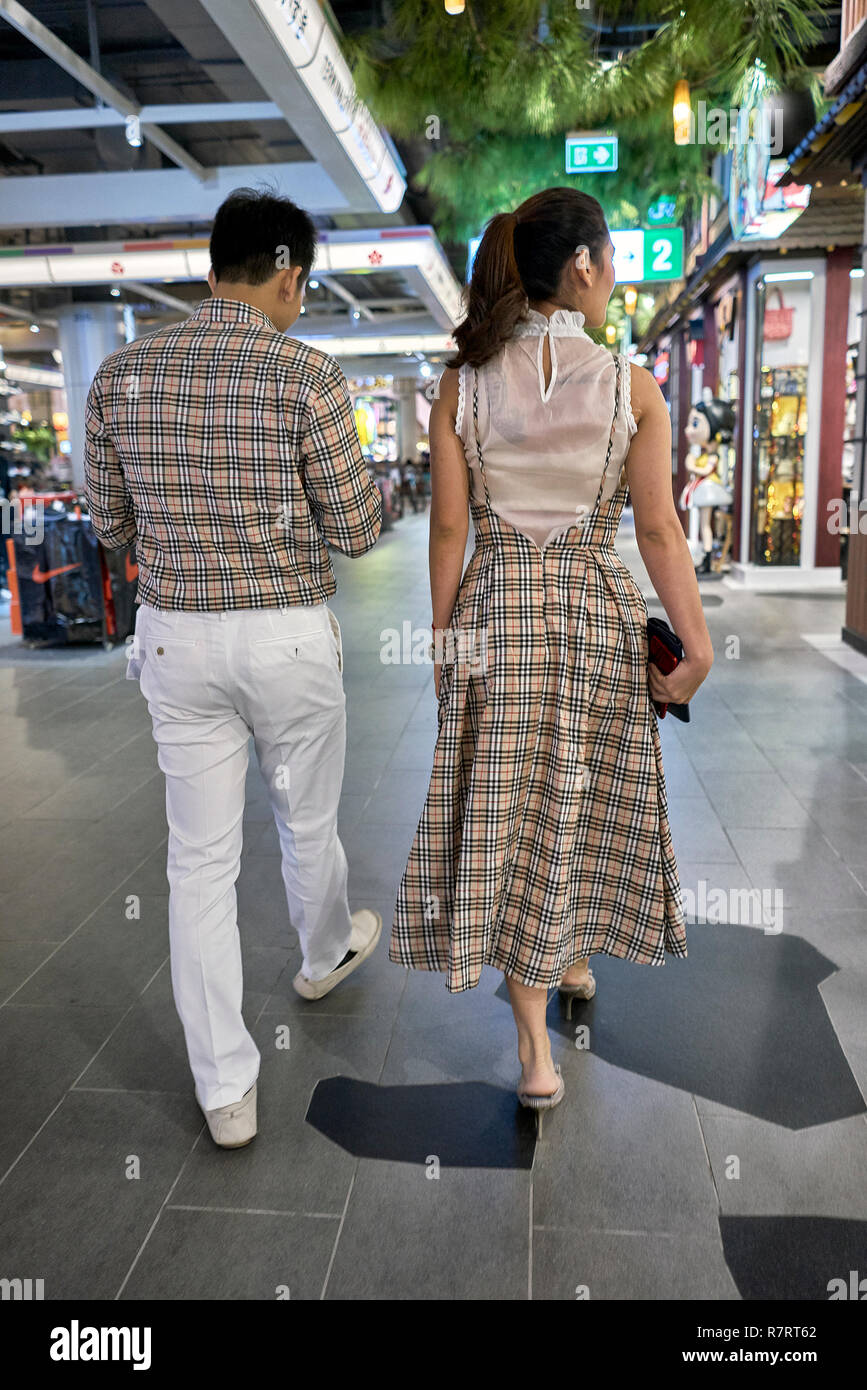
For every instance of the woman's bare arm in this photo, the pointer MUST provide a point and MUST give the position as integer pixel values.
(661, 542)
(449, 509)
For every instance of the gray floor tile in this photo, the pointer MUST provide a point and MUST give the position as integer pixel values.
(463, 1235)
(207, 1255)
(53, 1207)
(757, 800)
(43, 1051)
(612, 1153)
(761, 1169)
(585, 1263)
(697, 832)
(18, 960)
(842, 936)
(111, 957)
(147, 1051)
(291, 1166)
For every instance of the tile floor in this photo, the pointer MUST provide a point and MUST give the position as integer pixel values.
(712, 1143)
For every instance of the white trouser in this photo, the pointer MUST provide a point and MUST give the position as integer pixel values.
(211, 680)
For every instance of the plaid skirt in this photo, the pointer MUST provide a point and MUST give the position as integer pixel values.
(544, 835)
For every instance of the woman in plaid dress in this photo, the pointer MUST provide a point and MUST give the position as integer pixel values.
(545, 835)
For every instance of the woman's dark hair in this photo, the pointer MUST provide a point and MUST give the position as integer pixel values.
(521, 257)
(256, 233)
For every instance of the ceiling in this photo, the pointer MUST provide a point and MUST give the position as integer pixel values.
(171, 54)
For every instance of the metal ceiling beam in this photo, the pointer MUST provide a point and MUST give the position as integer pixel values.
(90, 118)
(159, 296)
(299, 65)
(10, 311)
(345, 296)
(148, 197)
(68, 59)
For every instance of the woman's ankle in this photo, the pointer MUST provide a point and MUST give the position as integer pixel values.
(535, 1055)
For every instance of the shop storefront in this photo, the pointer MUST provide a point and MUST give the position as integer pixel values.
(797, 363)
(833, 155)
(771, 313)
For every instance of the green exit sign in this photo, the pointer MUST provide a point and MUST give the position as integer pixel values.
(591, 154)
(641, 255)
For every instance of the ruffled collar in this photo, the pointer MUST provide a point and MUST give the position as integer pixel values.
(563, 323)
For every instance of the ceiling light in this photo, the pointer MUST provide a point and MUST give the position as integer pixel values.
(132, 128)
(34, 328)
(313, 284)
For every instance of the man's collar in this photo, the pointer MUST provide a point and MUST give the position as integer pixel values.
(237, 310)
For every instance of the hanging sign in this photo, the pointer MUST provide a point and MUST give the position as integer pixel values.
(591, 154)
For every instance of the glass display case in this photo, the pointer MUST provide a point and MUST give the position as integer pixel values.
(779, 424)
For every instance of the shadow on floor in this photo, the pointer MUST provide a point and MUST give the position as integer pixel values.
(796, 1257)
(740, 1021)
(468, 1124)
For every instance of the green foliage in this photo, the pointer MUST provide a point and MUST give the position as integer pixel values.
(499, 93)
(41, 440)
(471, 181)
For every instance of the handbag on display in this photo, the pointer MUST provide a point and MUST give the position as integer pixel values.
(665, 650)
(778, 322)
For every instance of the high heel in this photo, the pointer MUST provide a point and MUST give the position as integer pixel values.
(539, 1104)
(573, 992)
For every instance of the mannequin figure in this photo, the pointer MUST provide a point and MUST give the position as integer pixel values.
(710, 424)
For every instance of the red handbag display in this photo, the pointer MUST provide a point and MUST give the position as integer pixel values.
(778, 321)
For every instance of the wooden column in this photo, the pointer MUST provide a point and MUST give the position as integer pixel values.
(743, 415)
(832, 421)
(711, 349)
(855, 623)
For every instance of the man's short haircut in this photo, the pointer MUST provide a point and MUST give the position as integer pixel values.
(257, 233)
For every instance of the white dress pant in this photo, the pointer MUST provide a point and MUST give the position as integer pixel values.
(211, 680)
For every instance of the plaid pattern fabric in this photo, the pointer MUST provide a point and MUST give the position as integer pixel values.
(228, 453)
(545, 834)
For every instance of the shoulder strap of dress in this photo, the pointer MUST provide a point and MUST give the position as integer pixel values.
(476, 428)
(617, 372)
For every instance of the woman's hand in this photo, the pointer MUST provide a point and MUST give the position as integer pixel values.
(680, 685)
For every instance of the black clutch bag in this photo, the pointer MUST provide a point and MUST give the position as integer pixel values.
(665, 650)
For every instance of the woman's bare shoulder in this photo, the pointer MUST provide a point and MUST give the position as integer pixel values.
(646, 395)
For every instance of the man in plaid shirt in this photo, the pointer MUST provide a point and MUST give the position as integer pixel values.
(228, 453)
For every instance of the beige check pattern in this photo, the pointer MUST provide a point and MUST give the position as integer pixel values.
(545, 834)
(228, 454)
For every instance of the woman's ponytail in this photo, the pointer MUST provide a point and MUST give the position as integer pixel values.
(520, 260)
(497, 299)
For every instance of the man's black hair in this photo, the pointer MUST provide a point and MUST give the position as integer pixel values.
(256, 233)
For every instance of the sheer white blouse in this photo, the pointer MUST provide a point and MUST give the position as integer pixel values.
(544, 447)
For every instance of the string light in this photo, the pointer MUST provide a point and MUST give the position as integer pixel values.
(454, 6)
(682, 113)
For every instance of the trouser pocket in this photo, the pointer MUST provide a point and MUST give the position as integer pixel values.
(338, 639)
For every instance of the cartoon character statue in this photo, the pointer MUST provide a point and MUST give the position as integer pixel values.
(711, 424)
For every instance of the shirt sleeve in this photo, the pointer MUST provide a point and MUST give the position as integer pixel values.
(108, 498)
(345, 502)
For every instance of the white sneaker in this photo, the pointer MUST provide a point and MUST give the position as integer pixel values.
(366, 929)
(233, 1126)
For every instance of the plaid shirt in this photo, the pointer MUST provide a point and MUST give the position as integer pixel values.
(228, 453)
